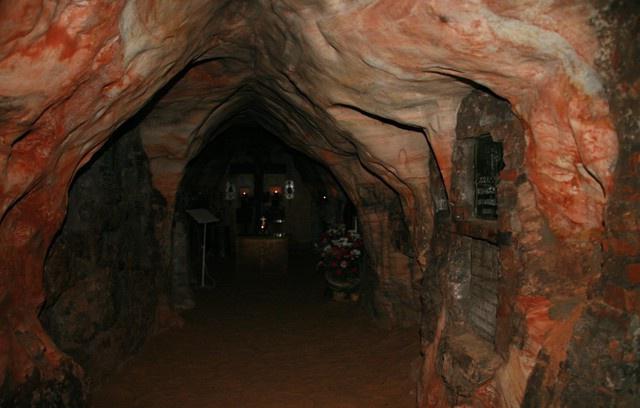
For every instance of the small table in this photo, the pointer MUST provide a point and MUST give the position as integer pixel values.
(262, 255)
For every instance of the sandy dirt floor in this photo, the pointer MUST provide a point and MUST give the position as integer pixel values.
(278, 342)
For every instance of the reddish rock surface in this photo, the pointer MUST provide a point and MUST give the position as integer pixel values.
(367, 88)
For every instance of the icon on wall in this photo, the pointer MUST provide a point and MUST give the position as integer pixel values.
(230, 191)
(289, 189)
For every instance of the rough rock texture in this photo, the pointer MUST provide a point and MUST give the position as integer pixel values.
(373, 90)
(103, 272)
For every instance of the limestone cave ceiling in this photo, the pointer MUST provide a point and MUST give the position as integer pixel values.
(341, 81)
(366, 87)
(325, 70)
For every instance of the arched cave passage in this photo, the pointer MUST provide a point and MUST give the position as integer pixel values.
(524, 276)
(103, 301)
(241, 176)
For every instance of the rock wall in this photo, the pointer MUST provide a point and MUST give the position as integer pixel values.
(603, 357)
(103, 274)
(390, 265)
(540, 328)
(372, 90)
(478, 265)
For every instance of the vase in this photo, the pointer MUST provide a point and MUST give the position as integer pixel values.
(337, 284)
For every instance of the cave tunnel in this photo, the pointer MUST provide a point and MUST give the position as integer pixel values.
(255, 185)
(321, 203)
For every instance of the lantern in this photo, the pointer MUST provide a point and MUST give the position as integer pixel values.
(230, 191)
(289, 189)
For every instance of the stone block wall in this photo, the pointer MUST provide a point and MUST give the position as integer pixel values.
(474, 265)
(484, 289)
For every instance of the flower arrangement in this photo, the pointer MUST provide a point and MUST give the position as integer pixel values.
(340, 251)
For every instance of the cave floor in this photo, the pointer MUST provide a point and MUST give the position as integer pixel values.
(278, 342)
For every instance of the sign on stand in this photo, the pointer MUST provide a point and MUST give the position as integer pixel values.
(204, 217)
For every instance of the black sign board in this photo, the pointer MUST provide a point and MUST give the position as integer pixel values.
(488, 163)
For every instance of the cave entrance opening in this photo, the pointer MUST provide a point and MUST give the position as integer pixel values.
(265, 329)
(273, 203)
(104, 280)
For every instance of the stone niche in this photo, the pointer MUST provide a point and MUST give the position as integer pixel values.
(488, 144)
